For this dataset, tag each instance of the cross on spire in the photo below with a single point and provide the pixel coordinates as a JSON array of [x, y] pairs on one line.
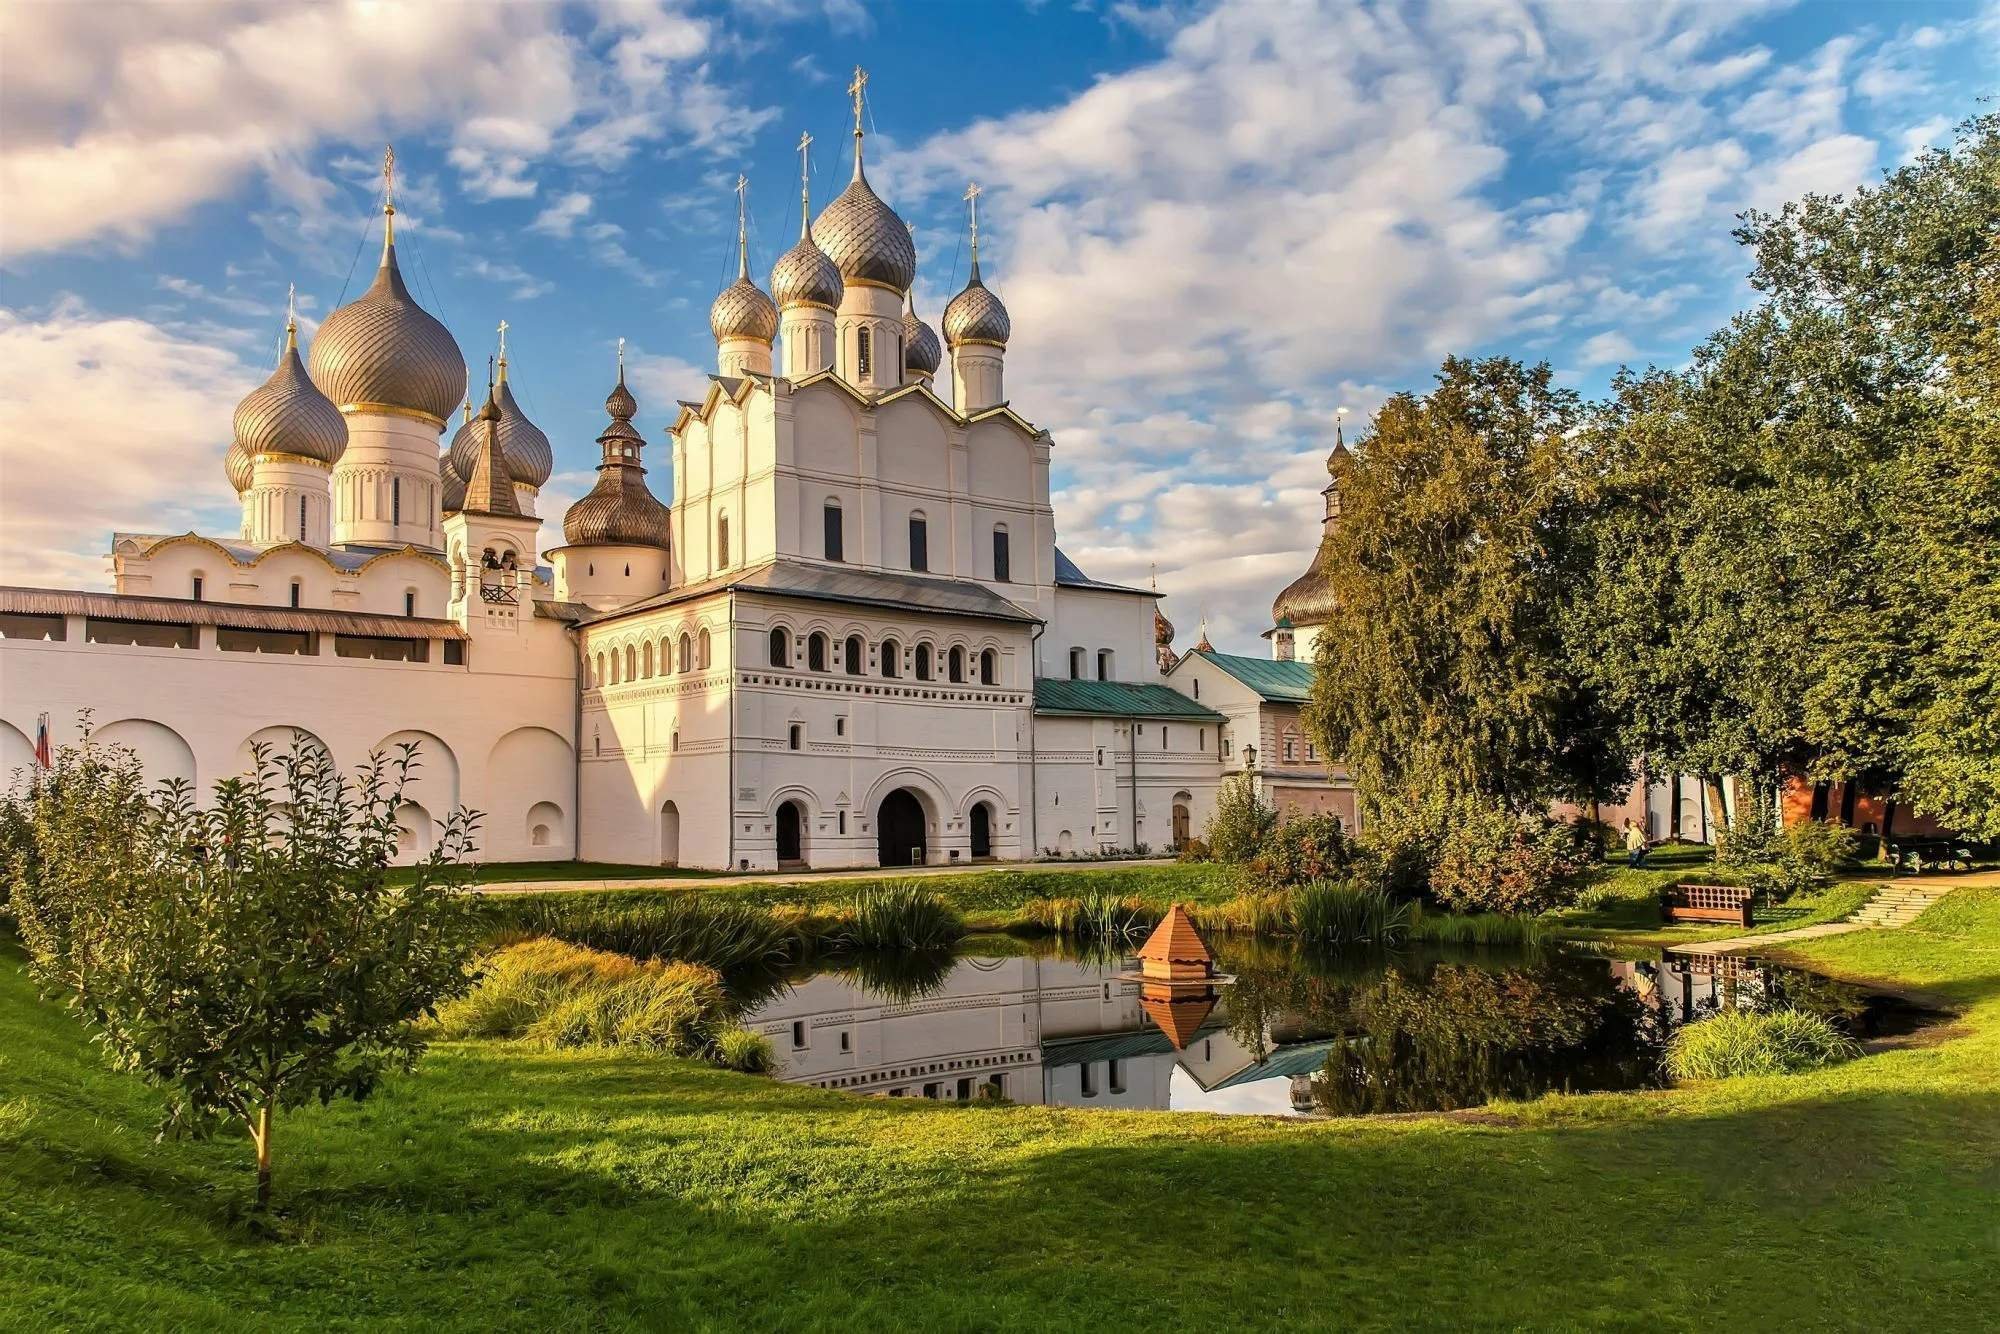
[[855, 90], [291, 306], [621, 361], [972, 193], [742, 226], [503, 343], [805, 184], [388, 198]]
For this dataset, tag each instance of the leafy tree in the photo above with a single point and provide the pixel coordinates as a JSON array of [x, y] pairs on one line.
[[1796, 543], [1444, 665], [253, 955], [1241, 820]]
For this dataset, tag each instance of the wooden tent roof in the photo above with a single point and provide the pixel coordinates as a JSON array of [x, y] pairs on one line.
[[1179, 1013], [1175, 940]]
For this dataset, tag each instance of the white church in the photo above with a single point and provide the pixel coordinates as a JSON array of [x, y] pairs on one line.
[[848, 639]]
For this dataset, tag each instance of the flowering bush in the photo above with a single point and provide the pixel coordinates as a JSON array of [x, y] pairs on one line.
[[1494, 860], [1305, 849]]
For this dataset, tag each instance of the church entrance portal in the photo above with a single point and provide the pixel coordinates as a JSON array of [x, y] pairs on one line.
[[791, 850], [900, 830]]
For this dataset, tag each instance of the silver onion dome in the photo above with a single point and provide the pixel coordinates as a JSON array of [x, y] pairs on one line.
[[741, 310], [530, 459], [864, 238], [287, 415], [922, 353], [976, 315], [383, 348], [239, 467], [804, 276]]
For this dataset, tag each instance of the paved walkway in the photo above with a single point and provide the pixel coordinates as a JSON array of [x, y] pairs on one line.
[[798, 877], [1939, 884]]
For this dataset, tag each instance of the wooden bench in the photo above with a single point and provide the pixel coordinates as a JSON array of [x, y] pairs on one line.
[[1707, 903]]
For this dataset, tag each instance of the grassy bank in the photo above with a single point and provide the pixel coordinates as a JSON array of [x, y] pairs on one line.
[[506, 1185], [1622, 907]]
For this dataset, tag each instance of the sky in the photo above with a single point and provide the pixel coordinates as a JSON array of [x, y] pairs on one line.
[[1214, 224]]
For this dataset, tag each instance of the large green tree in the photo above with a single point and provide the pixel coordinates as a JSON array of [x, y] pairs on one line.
[[1444, 666], [1796, 542]]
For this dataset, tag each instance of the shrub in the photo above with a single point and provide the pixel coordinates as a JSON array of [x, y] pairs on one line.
[[1742, 1042], [1803, 858], [903, 916], [1494, 860], [1310, 847], [745, 1050], [1327, 912], [1241, 822], [564, 995]]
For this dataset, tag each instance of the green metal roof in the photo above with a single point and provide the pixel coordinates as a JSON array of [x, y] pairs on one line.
[[1305, 1058], [1288, 682], [1118, 699]]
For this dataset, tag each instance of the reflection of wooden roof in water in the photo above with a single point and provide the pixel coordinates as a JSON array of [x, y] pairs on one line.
[[1175, 940], [1179, 1015]]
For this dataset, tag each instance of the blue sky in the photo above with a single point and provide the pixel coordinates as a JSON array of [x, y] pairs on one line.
[[1213, 224]]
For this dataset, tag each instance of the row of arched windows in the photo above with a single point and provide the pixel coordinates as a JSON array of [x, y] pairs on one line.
[[926, 661], [834, 541], [642, 662], [1079, 665]]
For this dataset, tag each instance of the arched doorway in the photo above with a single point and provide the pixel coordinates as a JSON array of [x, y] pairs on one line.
[[1182, 818], [900, 829], [982, 830], [791, 835], [670, 835]]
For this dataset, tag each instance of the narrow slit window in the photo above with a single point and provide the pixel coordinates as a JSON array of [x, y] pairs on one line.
[[864, 353], [920, 544], [831, 519]]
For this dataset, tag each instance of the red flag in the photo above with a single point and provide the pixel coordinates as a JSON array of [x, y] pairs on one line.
[[44, 758]]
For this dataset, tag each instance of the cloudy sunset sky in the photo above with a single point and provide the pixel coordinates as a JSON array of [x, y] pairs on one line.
[[1212, 223]]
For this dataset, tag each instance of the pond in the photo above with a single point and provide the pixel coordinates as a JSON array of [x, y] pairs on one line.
[[1285, 1032]]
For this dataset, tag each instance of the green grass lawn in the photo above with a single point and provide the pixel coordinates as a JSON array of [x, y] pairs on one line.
[[1622, 909], [504, 1186]]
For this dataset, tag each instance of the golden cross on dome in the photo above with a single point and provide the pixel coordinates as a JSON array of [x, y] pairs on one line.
[[742, 226], [621, 361], [291, 305], [854, 90], [972, 193], [503, 342], [389, 179]]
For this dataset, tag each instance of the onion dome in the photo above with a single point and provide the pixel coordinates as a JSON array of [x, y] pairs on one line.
[[239, 466], [741, 310], [1308, 599], [619, 511], [287, 415], [976, 315], [384, 350], [922, 353], [530, 459], [1163, 629], [804, 276], [863, 236]]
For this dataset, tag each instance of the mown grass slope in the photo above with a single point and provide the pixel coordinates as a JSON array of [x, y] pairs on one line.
[[512, 1187]]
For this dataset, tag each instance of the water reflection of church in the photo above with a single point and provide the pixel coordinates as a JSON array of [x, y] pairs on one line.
[[1047, 1031]]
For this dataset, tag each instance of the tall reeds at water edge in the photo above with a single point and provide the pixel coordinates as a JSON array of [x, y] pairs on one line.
[[1330, 912], [694, 929], [1092, 917], [902, 916]]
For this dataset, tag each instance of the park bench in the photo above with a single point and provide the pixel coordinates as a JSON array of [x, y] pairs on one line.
[[1707, 903], [1914, 857]]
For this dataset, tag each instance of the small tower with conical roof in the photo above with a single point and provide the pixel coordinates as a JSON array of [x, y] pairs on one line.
[[976, 329], [397, 376], [1307, 602], [617, 543], [489, 540], [871, 248], [743, 319], [288, 437], [530, 458]]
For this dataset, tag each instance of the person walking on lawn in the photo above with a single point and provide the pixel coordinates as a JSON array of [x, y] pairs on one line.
[[1636, 846]]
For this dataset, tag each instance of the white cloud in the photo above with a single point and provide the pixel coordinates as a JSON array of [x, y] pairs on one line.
[[562, 214], [128, 117], [1607, 348], [107, 423]]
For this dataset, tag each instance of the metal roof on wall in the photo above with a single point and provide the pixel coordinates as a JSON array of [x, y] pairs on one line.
[[236, 615], [1117, 699], [1284, 682]]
